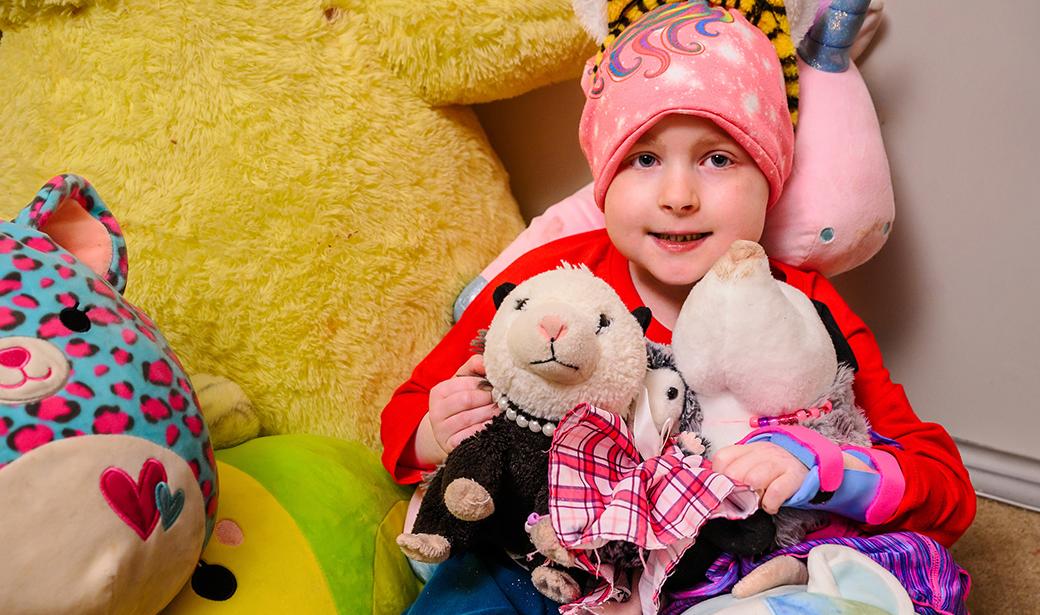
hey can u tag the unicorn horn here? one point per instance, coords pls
(826, 46)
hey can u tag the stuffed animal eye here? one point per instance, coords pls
(672, 392)
(520, 303)
(604, 322)
(75, 319)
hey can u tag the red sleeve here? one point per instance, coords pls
(408, 405)
(939, 500)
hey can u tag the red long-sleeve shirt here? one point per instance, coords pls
(938, 501)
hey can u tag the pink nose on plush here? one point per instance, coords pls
(15, 357)
(552, 327)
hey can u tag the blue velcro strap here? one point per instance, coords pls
(858, 491)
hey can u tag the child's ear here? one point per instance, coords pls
(71, 213)
(502, 292)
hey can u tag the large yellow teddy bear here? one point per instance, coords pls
(302, 188)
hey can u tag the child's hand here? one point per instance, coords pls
(461, 406)
(771, 471)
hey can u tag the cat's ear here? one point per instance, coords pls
(70, 212)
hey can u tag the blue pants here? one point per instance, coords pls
(481, 584)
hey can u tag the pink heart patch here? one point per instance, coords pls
(134, 502)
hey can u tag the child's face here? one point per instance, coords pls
(682, 195)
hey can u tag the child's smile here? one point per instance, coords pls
(679, 242)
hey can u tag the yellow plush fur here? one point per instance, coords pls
(302, 190)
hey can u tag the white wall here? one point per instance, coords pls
(954, 297)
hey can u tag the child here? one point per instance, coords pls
(690, 141)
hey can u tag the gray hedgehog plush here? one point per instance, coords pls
(753, 347)
(559, 339)
(675, 411)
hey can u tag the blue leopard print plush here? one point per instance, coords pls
(107, 482)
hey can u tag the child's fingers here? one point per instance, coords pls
(782, 487)
(468, 418)
(457, 439)
(459, 383)
(467, 399)
(470, 422)
(722, 458)
(760, 475)
(474, 366)
(733, 461)
(755, 472)
(771, 471)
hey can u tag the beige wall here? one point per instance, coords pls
(954, 298)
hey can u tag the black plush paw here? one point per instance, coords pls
(690, 570)
(755, 535)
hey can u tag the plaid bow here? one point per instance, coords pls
(600, 490)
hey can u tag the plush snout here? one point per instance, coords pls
(552, 341)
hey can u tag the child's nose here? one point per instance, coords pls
(679, 194)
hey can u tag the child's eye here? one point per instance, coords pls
(644, 161)
(719, 161)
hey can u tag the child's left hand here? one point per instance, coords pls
(771, 471)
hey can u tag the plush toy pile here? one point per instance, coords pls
(301, 184)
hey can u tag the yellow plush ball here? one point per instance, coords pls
(302, 189)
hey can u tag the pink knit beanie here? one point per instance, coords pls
(695, 59)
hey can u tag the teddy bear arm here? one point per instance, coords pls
(490, 50)
(434, 518)
(479, 458)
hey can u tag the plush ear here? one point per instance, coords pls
(455, 52)
(502, 292)
(592, 14)
(643, 316)
(69, 211)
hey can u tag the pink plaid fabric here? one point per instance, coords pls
(601, 490)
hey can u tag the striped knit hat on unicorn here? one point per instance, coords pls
(690, 58)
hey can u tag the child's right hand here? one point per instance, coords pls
(461, 406)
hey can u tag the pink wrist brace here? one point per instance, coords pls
(891, 486)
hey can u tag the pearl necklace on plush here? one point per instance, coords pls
(524, 420)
